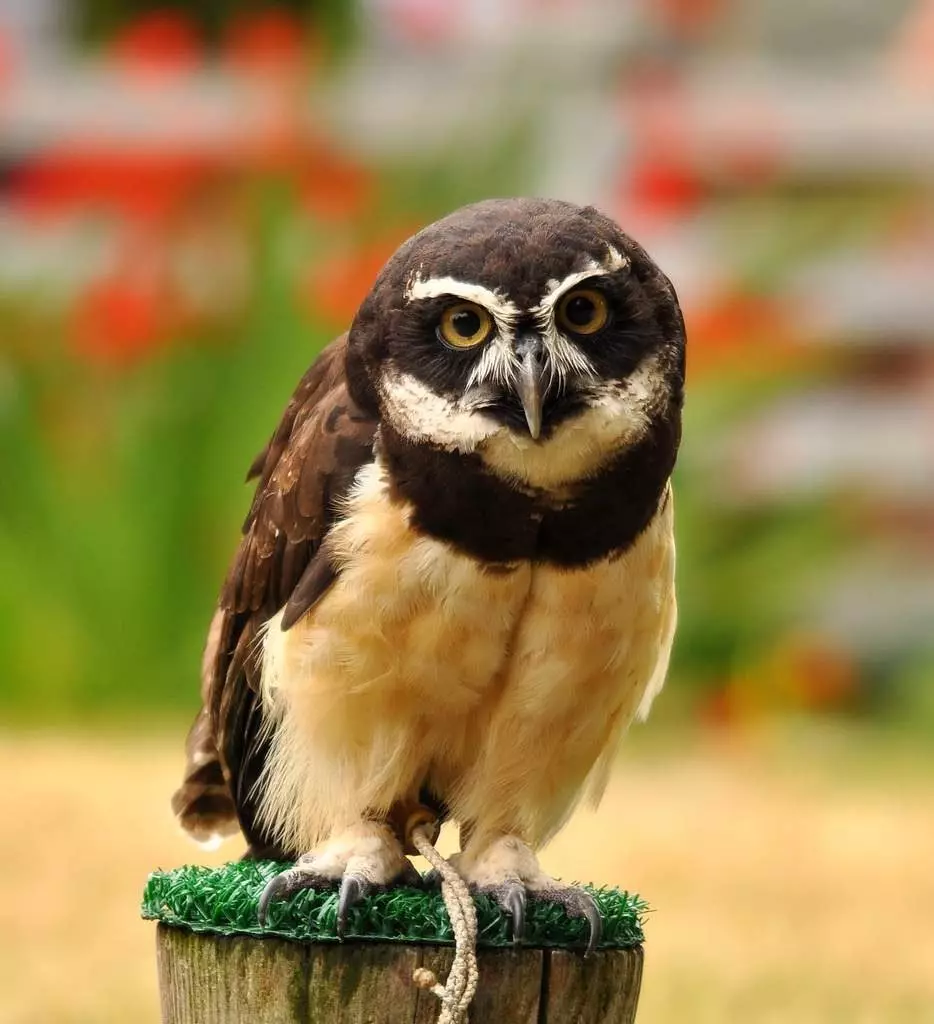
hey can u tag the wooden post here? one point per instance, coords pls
(239, 979)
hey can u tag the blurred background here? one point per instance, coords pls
(193, 199)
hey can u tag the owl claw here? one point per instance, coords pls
(512, 898)
(515, 907)
(506, 869)
(353, 889)
(577, 902)
(364, 858)
(283, 885)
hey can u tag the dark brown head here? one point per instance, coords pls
(531, 332)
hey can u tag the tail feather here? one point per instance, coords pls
(202, 803)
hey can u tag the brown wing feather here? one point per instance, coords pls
(304, 471)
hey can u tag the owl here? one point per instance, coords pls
(455, 585)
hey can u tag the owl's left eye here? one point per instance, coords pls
(583, 311)
(465, 325)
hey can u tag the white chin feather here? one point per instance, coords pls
(419, 414)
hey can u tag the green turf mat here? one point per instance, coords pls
(223, 901)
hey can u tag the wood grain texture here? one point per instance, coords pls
(209, 979)
(365, 983)
(601, 989)
(231, 980)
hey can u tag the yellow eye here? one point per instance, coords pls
(465, 325)
(583, 311)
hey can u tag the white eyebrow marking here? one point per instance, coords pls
(502, 310)
(615, 261)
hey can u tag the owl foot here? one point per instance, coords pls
(358, 861)
(507, 871)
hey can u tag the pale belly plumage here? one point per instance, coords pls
(502, 689)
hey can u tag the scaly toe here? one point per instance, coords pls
(510, 897)
(285, 884)
(577, 902)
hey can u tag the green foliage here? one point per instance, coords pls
(224, 901)
(745, 570)
(121, 505)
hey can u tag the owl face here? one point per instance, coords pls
(515, 328)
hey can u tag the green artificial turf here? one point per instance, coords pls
(223, 901)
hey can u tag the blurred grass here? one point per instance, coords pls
(789, 872)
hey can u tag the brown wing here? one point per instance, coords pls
(304, 471)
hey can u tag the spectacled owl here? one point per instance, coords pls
(455, 585)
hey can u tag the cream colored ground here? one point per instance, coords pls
(793, 878)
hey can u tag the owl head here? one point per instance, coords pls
(533, 334)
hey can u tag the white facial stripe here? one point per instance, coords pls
(421, 415)
(564, 357)
(618, 416)
(497, 363)
(556, 289)
(501, 309)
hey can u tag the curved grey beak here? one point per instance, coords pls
(531, 352)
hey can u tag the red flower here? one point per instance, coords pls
(268, 41)
(689, 18)
(162, 41)
(118, 321)
(135, 182)
(333, 187)
(722, 332)
(664, 186)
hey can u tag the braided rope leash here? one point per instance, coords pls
(459, 989)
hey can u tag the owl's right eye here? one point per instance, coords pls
(465, 325)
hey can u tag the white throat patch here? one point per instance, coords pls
(419, 414)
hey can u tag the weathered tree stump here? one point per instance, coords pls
(209, 979)
(217, 966)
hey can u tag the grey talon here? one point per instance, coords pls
(515, 907)
(276, 888)
(592, 912)
(353, 889)
(511, 898)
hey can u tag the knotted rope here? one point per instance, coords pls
(458, 991)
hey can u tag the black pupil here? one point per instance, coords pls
(580, 310)
(467, 323)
